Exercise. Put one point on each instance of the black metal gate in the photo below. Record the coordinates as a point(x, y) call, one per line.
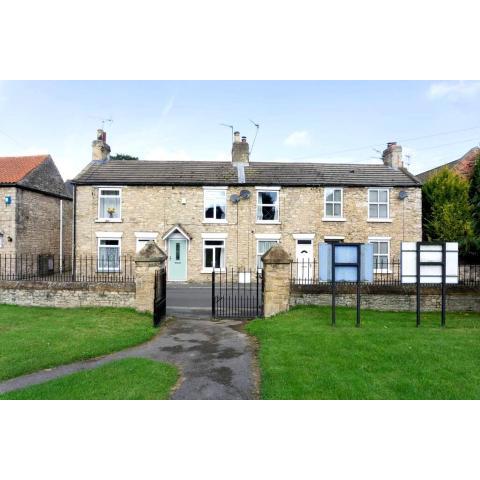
point(160, 297)
point(237, 294)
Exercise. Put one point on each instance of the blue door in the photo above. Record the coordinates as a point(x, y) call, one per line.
point(177, 260)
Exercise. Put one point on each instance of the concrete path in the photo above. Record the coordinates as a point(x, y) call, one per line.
point(216, 359)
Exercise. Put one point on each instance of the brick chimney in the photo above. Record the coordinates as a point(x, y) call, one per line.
point(100, 148)
point(240, 149)
point(392, 155)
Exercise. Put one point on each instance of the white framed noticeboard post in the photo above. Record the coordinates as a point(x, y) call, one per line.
point(430, 261)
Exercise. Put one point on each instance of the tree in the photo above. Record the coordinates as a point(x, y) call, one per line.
point(122, 156)
point(447, 212)
point(474, 194)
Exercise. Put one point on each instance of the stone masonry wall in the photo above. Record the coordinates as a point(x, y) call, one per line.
point(67, 294)
point(7, 220)
point(38, 223)
point(157, 209)
point(400, 301)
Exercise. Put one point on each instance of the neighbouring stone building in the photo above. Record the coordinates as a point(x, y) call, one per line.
point(209, 215)
point(35, 209)
point(463, 166)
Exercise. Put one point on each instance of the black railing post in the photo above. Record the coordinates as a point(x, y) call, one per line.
point(213, 293)
point(444, 281)
point(418, 284)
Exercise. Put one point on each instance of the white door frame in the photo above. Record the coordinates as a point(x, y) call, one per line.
point(304, 272)
point(167, 245)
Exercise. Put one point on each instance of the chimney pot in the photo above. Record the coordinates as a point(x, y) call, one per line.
point(392, 155)
point(100, 148)
point(240, 149)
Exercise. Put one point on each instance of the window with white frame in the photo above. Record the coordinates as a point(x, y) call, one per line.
point(108, 254)
point(213, 254)
point(1, 240)
point(378, 203)
point(333, 202)
point(215, 205)
point(267, 206)
point(143, 239)
point(262, 247)
point(109, 204)
point(381, 254)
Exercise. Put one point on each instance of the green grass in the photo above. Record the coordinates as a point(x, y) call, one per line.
point(303, 357)
point(128, 379)
point(34, 338)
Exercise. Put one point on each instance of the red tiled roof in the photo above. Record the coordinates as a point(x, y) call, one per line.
point(14, 169)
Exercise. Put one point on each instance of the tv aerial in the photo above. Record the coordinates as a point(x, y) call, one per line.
point(228, 126)
point(257, 126)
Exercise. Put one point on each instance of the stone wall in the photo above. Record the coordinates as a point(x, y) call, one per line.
point(67, 294)
point(7, 220)
point(459, 299)
point(38, 223)
point(157, 209)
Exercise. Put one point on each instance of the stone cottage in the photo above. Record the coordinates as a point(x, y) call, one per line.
point(208, 215)
point(35, 210)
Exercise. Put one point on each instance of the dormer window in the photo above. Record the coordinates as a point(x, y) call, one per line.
point(109, 204)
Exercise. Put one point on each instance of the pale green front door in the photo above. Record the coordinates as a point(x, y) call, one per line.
point(177, 260)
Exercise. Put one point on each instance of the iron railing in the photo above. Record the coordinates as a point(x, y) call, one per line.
point(82, 268)
point(237, 293)
point(385, 273)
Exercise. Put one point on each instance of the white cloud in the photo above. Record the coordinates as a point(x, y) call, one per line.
point(298, 139)
point(453, 90)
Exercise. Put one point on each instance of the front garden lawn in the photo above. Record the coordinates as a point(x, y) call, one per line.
point(303, 357)
point(34, 338)
point(128, 379)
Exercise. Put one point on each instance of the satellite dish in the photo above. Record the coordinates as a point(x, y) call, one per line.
point(245, 194)
point(234, 198)
point(402, 195)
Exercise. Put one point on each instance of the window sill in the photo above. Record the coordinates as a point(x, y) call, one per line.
point(268, 222)
point(108, 220)
point(379, 220)
point(109, 271)
point(215, 222)
point(210, 270)
point(334, 219)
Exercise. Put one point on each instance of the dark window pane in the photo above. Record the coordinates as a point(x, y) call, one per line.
point(177, 251)
point(220, 212)
point(209, 212)
point(208, 257)
point(218, 257)
point(268, 213)
point(268, 197)
point(213, 242)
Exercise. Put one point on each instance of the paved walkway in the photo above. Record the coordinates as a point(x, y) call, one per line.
point(216, 359)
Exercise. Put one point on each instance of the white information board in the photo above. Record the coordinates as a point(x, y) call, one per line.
point(429, 253)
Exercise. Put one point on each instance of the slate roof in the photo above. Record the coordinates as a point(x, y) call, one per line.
point(36, 172)
point(143, 172)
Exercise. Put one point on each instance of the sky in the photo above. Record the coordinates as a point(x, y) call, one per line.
point(323, 121)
